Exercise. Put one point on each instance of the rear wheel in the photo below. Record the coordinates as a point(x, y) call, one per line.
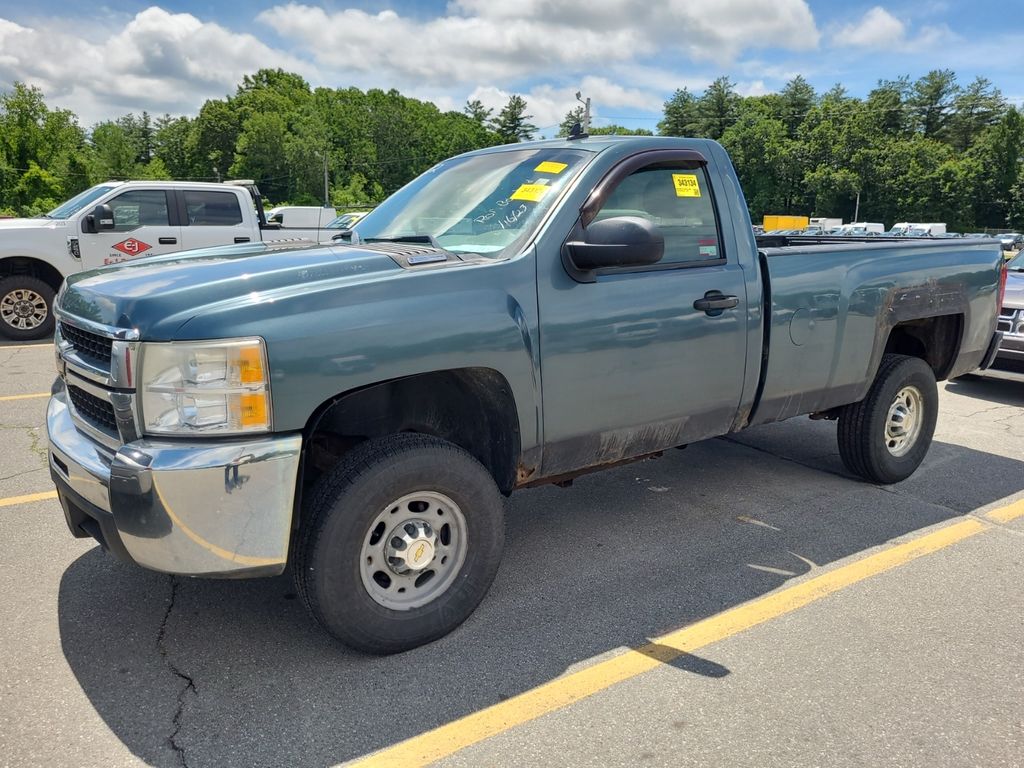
point(26, 308)
point(885, 437)
point(400, 543)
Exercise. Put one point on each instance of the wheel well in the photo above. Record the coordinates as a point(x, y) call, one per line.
point(471, 407)
point(25, 265)
point(936, 340)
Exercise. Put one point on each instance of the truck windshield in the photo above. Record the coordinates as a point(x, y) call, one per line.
point(485, 204)
point(79, 201)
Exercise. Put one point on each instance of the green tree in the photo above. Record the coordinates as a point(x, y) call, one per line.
point(513, 124)
point(797, 98)
point(115, 151)
point(975, 108)
point(261, 155)
point(888, 107)
point(171, 146)
point(931, 102)
point(213, 138)
point(46, 144)
point(572, 117)
point(618, 130)
point(681, 117)
point(718, 107)
point(998, 154)
point(475, 109)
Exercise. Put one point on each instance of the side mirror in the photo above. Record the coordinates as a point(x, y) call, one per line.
point(621, 241)
point(101, 218)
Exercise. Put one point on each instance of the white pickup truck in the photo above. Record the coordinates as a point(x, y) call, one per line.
point(113, 222)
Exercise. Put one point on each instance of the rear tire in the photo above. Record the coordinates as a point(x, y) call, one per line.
point(372, 562)
point(26, 308)
point(885, 437)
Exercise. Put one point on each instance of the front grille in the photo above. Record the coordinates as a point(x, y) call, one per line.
point(1011, 321)
point(90, 345)
point(95, 410)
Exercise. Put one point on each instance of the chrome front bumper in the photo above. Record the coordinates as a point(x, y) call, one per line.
point(217, 508)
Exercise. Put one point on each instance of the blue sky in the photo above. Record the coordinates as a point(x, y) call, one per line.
point(628, 55)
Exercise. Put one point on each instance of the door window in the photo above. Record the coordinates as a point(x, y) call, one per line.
point(139, 208)
point(676, 199)
point(212, 209)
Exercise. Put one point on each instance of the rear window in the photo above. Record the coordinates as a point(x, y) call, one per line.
point(212, 209)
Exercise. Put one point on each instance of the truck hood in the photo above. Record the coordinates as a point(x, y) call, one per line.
point(9, 224)
point(157, 295)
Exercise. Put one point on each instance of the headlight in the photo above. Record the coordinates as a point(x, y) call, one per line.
point(200, 387)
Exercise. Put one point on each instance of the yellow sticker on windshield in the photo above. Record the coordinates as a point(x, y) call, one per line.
point(686, 184)
point(551, 167)
point(531, 192)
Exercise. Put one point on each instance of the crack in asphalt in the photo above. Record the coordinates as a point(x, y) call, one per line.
point(22, 474)
point(985, 410)
point(189, 684)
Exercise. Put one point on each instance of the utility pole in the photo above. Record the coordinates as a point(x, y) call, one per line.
point(856, 208)
point(327, 197)
point(586, 111)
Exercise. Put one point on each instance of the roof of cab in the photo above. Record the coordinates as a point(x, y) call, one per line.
point(596, 143)
point(172, 184)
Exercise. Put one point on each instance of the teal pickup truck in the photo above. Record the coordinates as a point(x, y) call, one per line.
point(515, 316)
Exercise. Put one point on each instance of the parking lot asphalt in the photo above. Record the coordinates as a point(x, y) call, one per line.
point(741, 602)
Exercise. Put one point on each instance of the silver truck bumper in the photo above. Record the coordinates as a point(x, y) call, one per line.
point(191, 508)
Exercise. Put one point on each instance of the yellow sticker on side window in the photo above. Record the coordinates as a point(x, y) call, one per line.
point(686, 184)
point(549, 166)
point(531, 192)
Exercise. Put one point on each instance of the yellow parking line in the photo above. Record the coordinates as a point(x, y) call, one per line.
point(1007, 513)
point(12, 500)
point(457, 735)
point(24, 397)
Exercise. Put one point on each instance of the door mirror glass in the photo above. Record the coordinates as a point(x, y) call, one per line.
point(619, 241)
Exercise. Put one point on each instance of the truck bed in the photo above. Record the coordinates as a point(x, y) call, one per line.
point(835, 301)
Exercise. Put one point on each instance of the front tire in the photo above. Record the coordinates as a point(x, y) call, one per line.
point(885, 437)
point(400, 543)
point(26, 308)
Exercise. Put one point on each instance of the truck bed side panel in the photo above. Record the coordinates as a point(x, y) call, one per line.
point(833, 307)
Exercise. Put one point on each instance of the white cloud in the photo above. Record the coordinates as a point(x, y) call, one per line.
point(159, 61)
point(480, 41)
point(880, 30)
point(752, 88)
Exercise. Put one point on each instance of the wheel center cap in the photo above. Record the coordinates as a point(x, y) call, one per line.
point(420, 554)
point(411, 546)
point(23, 309)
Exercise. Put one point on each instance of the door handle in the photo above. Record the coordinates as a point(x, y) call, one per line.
point(241, 239)
point(168, 241)
point(715, 302)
